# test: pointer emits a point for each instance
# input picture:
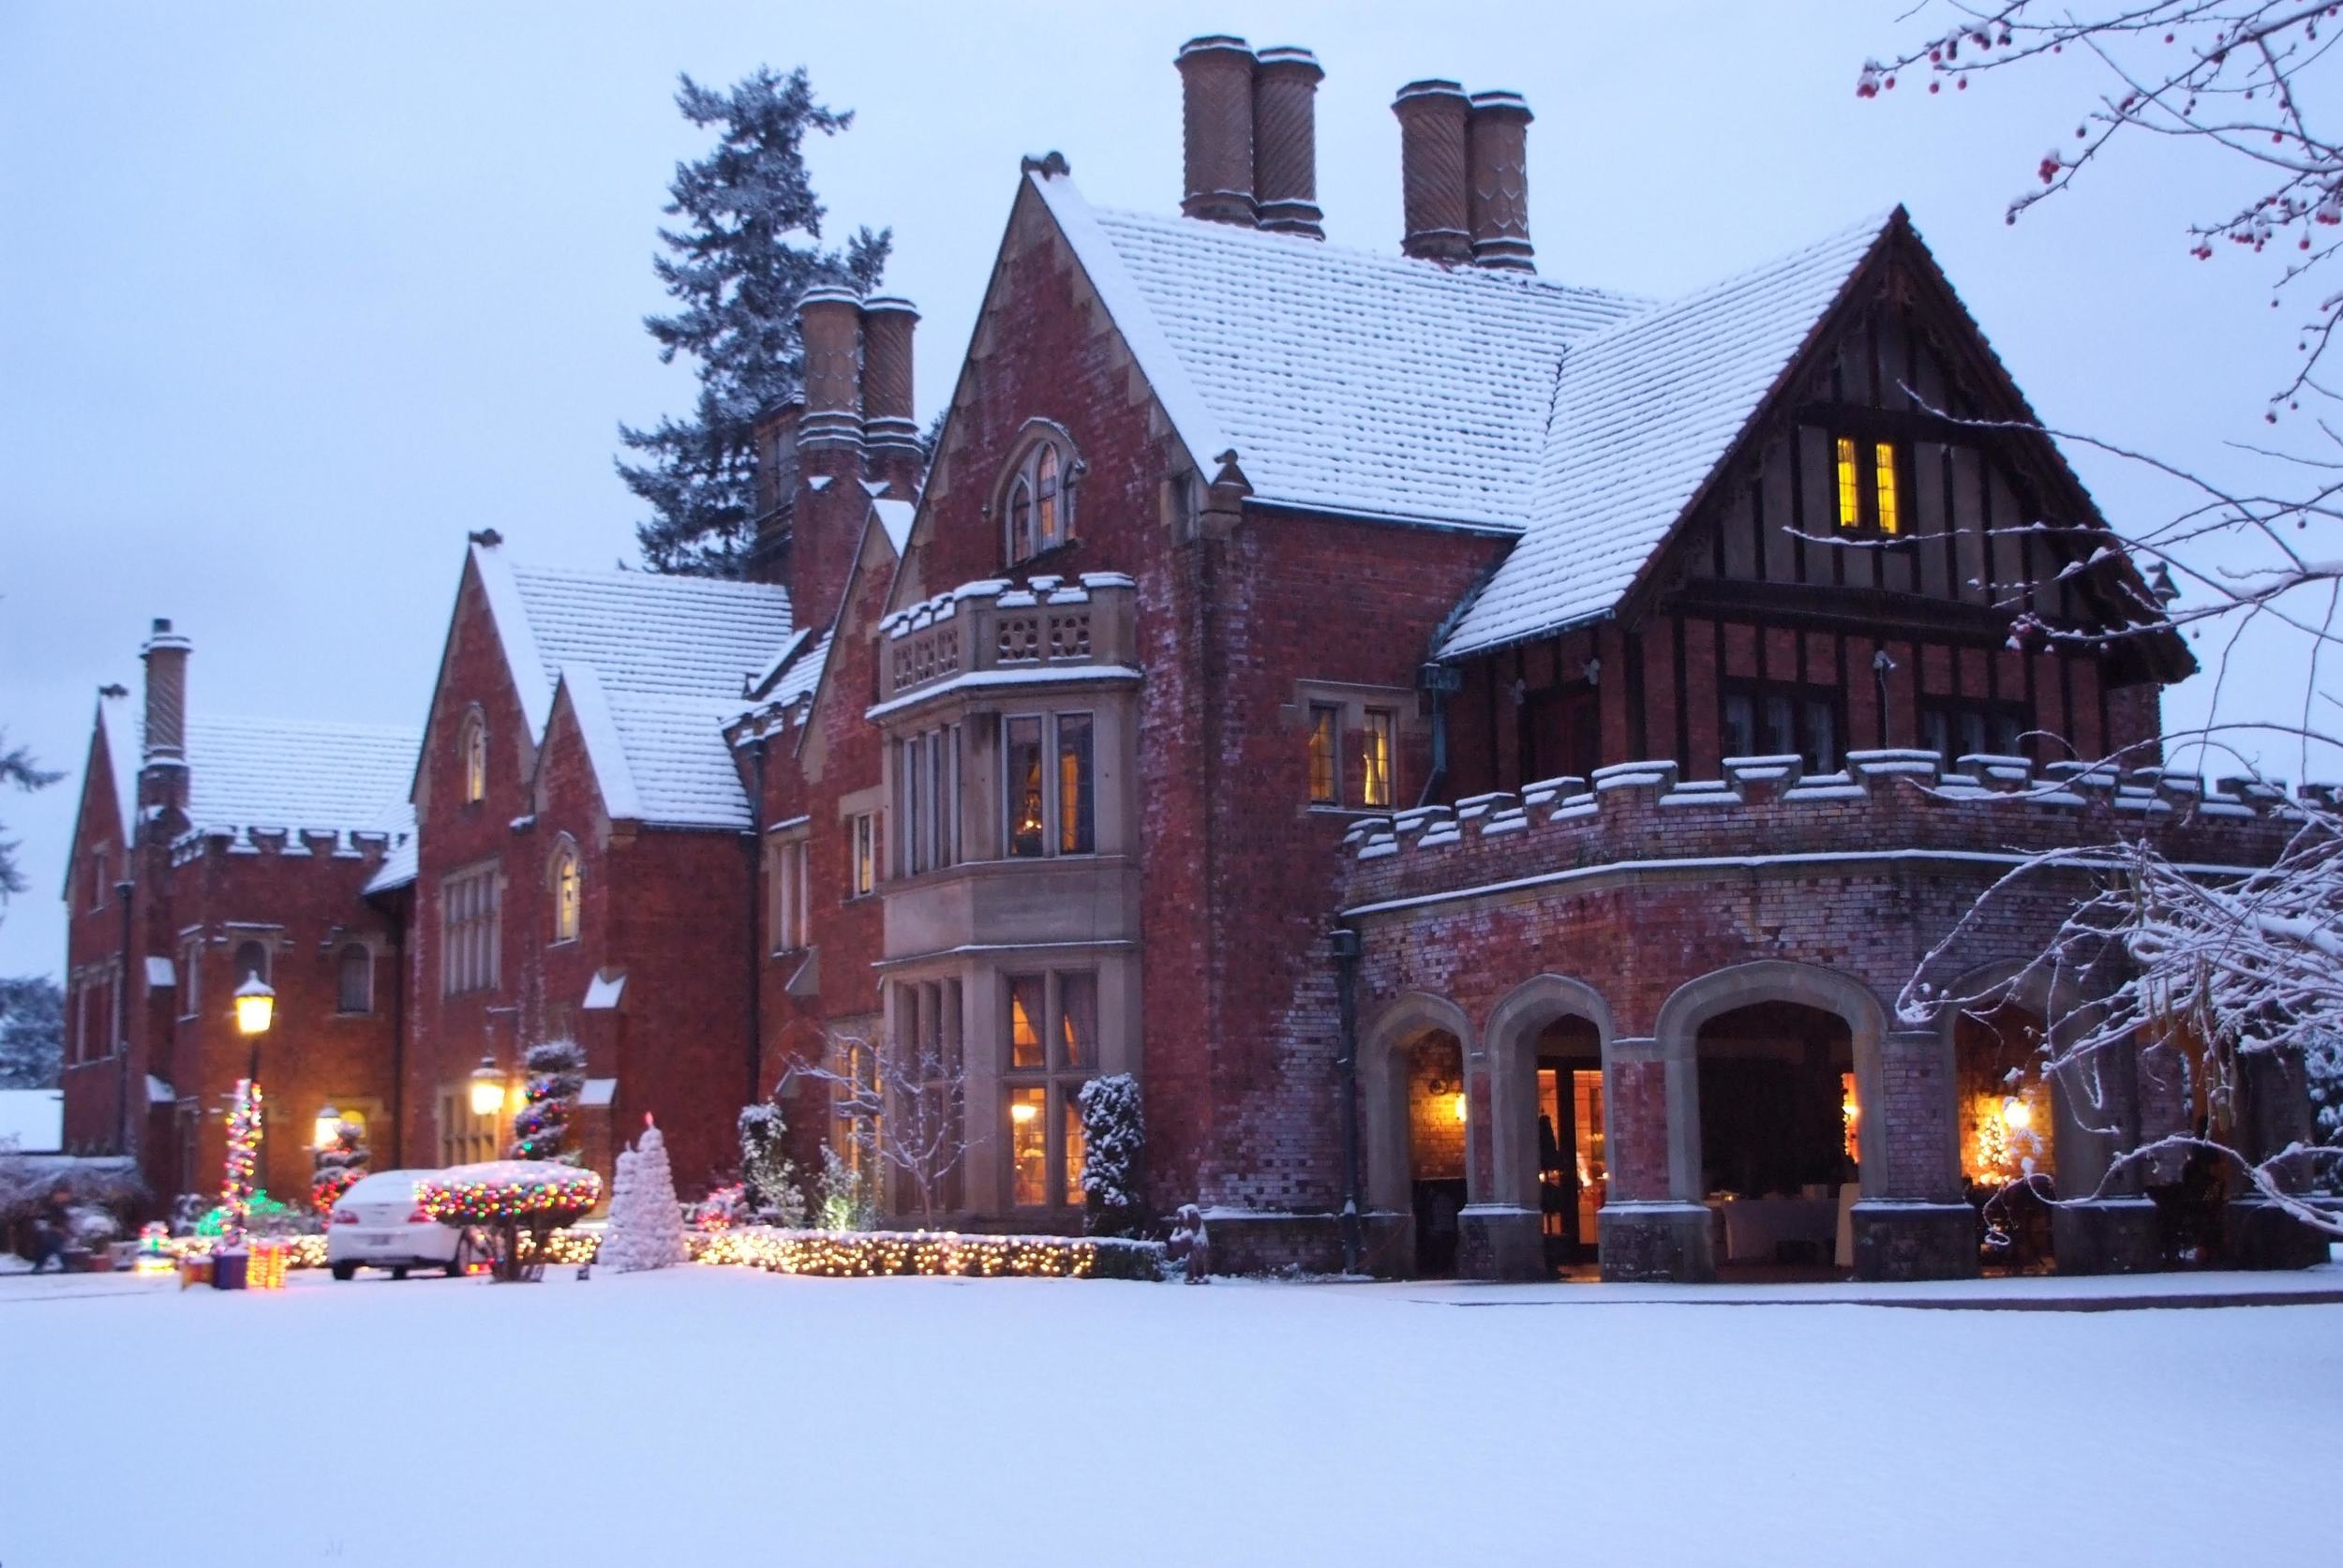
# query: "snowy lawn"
(726, 1416)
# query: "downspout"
(398, 1035)
(121, 1028)
(1343, 942)
(756, 912)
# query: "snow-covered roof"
(283, 773)
(654, 666)
(402, 864)
(1345, 379)
(895, 517)
(118, 718)
(1643, 413)
(1377, 386)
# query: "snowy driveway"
(740, 1417)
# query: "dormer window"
(1037, 509)
(1871, 489)
(473, 746)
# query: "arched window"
(565, 892)
(1037, 507)
(475, 753)
(251, 960)
(356, 978)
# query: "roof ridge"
(663, 580)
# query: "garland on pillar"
(243, 1161)
(541, 1127)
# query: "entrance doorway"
(2008, 1135)
(1777, 1118)
(1436, 1149)
(1573, 1171)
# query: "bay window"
(1050, 810)
(927, 800)
(1052, 1040)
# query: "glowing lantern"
(255, 1006)
(2015, 1114)
(1024, 1111)
(328, 1130)
(487, 1088)
(1459, 1105)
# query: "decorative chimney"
(1217, 118)
(775, 442)
(1499, 199)
(890, 436)
(829, 321)
(166, 655)
(1285, 140)
(1432, 163)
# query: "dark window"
(1955, 730)
(356, 979)
(251, 960)
(1763, 720)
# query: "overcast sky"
(292, 296)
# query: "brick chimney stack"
(1285, 140)
(826, 514)
(1432, 170)
(1216, 120)
(163, 748)
(1499, 201)
(890, 434)
(775, 442)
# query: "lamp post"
(328, 1129)
(487, 1087)
(256, 1009)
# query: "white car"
(378, 1224)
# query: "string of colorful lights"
(242, 1179)
(863, 1254)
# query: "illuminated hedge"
(860, 1254)
(533, 1193)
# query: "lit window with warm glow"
(1024, 1022)
(865, 849)
(1375, 758)
(1325, 775)
(1027, 810)
(1883, 476)
(1052, 1044)
(566, 897)
(1049, 789)
(1037, 505)
(1850, 485)
(476, 756)
(1077, 813)
(1029, 1145)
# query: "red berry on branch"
(1964, 83)
(1935, 86)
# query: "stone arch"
(1383, 1088)
(1677, 1034)
(1509, 1055)
(2082, 1146)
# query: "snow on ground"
(733, 1416)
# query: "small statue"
(1190, 1245)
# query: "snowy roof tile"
(280, 774)
(401, 865)
(1347, 380)
(655, 666)
(1643, 413)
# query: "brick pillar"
(1216, 122)
(1285, 142)
(1498, 200)
(1432, 182)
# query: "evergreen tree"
(541, 1128)
(16, 766)
(766, 1169)
(1114, 1138)
(747, 248)
(32, 1033)
(340, 1166)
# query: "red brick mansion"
(1253, 694)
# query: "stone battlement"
(283, 842)
(994, 623)
(1988, 808)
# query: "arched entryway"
(1546, 1042)
(1771, 1065)
(2009, 1115)
(1418, 1133)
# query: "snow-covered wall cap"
(605, 751)
(1036, 590)
(1879, 775)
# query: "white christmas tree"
(645, 1228)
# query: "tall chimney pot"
(1432, 164)
(1285, 140)
(886, 412)
(1499, 199)
(1216, 122)
(829, 321)
(166, 656)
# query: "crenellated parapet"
(284, 843)
(996, 631)
(1990, 810)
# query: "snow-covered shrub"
(340, 1166)
(844, 1200)
(861, 1254)
(541, 1127)
(645, 1228)
(773, 1196)
(1114, 1137)
(507, 1200)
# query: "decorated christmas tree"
(645, 1228)
(340, 1166)
(541, 1127)
(773, 1194)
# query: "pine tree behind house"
(748, 245)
